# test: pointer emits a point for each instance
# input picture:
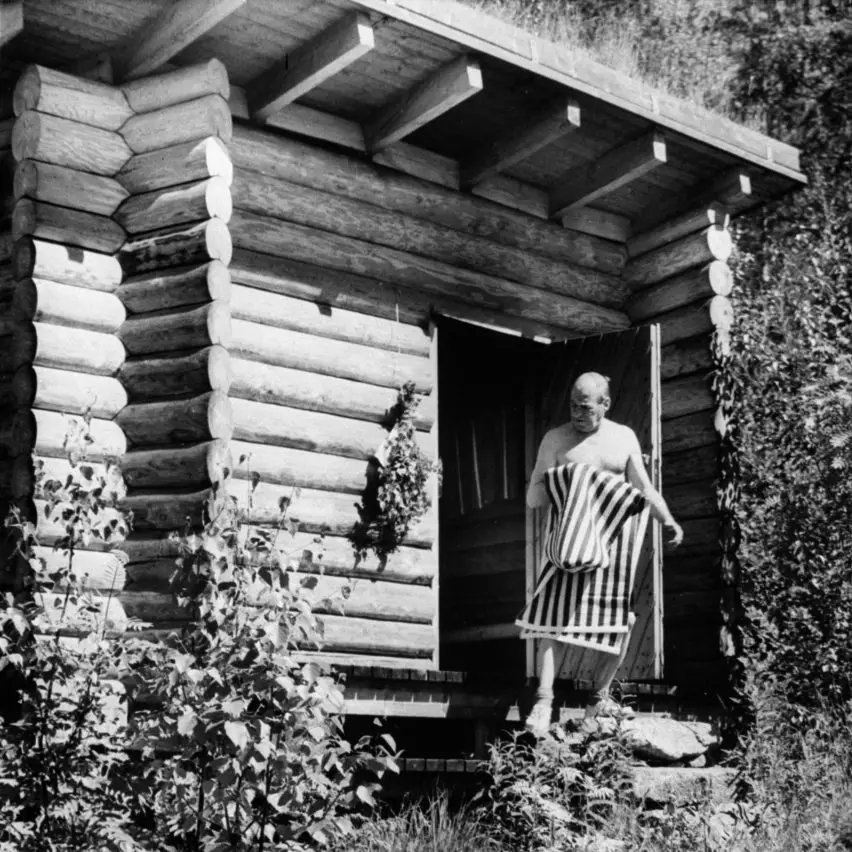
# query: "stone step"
(679, 786)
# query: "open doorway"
(498, 395)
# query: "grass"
(674, 50)
(797, 772)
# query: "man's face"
(588, 409)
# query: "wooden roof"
(473, 98)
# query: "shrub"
(256, 757)
(62, 759)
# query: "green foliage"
(241, 747)
(397, 495)
(425, 825)
(62, 761)
(256, 756)
(544, 794)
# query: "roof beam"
(11, 21)
(522, 142)
(615, 169)
(731, 188)
(179, 24)
(447, 87)
(310, 65)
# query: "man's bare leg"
(606, 671)
(539, 719)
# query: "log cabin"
(236, 227)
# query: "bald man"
(590, 438)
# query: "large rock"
(668, 740)
(680, 786)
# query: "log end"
(218, 242)
(26, 179)
(219, 323)
(218, 159)
(26, 135)
(721, 313)
(219, 281)
(220, 417)
(721, 278)
(24, 218)
(27, 90)
(219, 369)
(217, 197)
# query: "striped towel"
(594, 535)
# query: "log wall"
(61, 355)
(684, 286)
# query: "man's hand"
(673, 527)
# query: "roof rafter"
(448, 86)
(310, 65)
(11, 21)
(731, 188)
(520, 143)
(613, 170)
(180, 24)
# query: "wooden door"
(631, 361)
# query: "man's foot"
(609, 708)
(538, 722)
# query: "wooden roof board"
(478, 31)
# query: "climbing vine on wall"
(397, 494)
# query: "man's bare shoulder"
(621, 434)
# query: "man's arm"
(537, 496)
(639, 479)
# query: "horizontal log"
(285, 348)
(337, 289)
(282, 311)
(367, 636)
(689, 432)
(173, 374)
(206, 116)
(288, 158)
(78, 393)
(325, 512)
(77, 98)
(296, 242)
(63, 347)
(181, 245)
(696, 285)
(690, 465)
(66, 265)
(695, 320)
(64, 225)
(190, 161)
(301, 389)
(51, 139)
(53, 429)
(600, 223)
(257, 422)
(68, 187)
(315, 511)
(152, 559)
(63, 304)
(174, 288)
(711, 214)
(288, 466)
(182, 421)
(103, 571)
(695, 250)
(693, 499)
(278, 199)
(176, 205)
(61, 468)
(686, 395)
(359, 598)
(686, 356)
(193, 467)
(183, 84)
(181, 328)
